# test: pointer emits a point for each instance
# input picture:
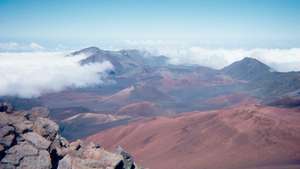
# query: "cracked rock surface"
(30, 140)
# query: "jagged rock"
(4, 119)
(41, 161)
(60, 146)
(90, 156)
(11, 120)
(5, 130)
(7, 166)
(21, 113)
(2, 148)
(46, 128)
(6, 107)
(22, 127)
(29, 140)
(65, 163)
(36, 112)
(76, 145)
(37, 140)
(95, 164)
(17, 152)
(127, 158)
(7, 140)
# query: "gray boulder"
(2, 148)
(127, 158)
(46, 128)
(36, 112)
(29, 140)
(7, 140)
(37, 140)
(17, 121)
(24, 126)
(6, 130)
(40, 161)
(18, 152)
(90, 156)
(60, 146)
(6, 107)
(65, 163)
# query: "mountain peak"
(89, 50)
(247, 69)
(251, 61)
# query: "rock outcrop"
(30, 140)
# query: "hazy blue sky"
(262, 22)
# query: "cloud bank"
(281, 59)
(19, 47)
(31, 74)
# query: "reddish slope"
(242, 137)
(138, 109)
(229, 100)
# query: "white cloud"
(181, 52)
(19, 47)
(280, 59)
(36, 46)
(31, 74)
(9, 45)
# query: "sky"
(221, 23)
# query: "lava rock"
(17, 152)
(65, 163)
(7, 141)
(37, 140)
(6, 107)
(46, 128)
(41, 161)
(29, 140)
(60, 146)
(24, 126)
(5, 130)
(36, 112)
(127, 158)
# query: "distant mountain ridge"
(262, 79)
(142, 85)
(123, 60)
(247, 69)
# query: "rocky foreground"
(30, 140)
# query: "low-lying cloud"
(20, 47)
(281, 59)
(31, 74)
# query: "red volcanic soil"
(143, 108)
(231, 99)
(245, 136)
(170, 81)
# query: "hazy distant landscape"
(150, 102)
(152, 84)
